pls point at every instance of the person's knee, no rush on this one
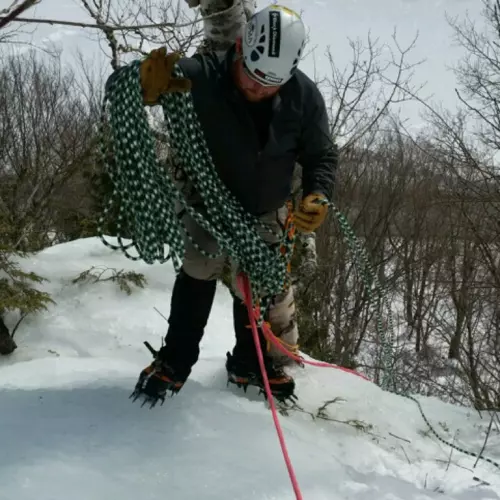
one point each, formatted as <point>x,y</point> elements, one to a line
<point>199,242</point>
<point>203,268</point>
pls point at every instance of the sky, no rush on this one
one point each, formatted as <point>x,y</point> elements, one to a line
<point>331,23</point>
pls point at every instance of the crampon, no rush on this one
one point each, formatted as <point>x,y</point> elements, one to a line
<point>155,382</point>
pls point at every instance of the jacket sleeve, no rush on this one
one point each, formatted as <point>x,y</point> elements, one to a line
<point>318,153</point>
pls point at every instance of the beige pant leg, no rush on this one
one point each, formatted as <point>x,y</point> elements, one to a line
<point>195,264</point>
<point>275,221</point>
<point>282,319</point>
<point>281,313</point>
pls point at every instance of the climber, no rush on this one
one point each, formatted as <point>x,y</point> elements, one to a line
<point>260,114</point>
<point>222,23</point>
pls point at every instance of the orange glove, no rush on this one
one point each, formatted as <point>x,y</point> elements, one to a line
<point>156,76</point>
<point>310,214</point>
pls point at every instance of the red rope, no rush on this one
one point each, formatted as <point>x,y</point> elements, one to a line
<point>253,314</point>
<point>269,335</point>
<point>244,284</point>
<point>321,364</point>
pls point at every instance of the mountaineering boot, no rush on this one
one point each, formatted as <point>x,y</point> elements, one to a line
<point>243,374</point>
<point>156,380</point>
<point>243,364</point>
<point>190,307</point>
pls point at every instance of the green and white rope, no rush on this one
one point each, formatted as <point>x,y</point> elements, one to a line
<point>374,287</point>
<point>377,297</point>
<point>145,195</point>
<point>439,438</point>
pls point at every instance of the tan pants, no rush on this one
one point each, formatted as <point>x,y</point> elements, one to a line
<point>281,315</point>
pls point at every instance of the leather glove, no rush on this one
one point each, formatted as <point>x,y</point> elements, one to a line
<point>311,213</point>
<point>156,76</point>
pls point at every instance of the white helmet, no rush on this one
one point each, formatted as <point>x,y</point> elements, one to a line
<point>272,44</point>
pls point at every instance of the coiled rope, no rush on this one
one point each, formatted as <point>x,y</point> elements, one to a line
<point>144,194</point>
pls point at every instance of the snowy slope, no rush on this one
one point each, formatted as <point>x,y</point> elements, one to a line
<point>68,429</point>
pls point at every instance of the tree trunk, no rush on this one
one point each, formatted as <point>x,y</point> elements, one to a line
<point>7,344</point>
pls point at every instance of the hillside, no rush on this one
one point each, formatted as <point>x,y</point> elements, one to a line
<point>69,430</point>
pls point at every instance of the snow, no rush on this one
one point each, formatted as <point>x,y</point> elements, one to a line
<point>69,429</point>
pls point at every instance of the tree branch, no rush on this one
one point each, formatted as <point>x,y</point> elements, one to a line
<point>4,20</point>
<point>100,26</point>
<point>485,440</point>
<point>107,27</point>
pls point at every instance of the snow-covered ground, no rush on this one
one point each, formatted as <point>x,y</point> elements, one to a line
<point>68,429</point>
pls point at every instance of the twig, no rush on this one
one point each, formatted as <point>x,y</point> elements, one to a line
<point>117,27</point>
<point>495,415</point>
<point>327,403</point>
<point>451,453</point>
<point>161,314</point>
<point>296,407</point>
<point>404,451</point>
<point>397,437</point>
<point>481,481</point>
<point>440,460</point>
<point>485,440</point>
<point>23,315</point>
<point>9,8</point>
<point>108,33</point>
<point>98,26</point>
<point>4,20</point>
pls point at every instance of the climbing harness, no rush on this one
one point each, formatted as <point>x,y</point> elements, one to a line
<point>144,197</point>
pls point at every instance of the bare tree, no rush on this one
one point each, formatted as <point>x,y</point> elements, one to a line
<point>48,136</point>
<point>335,319</point>
<point>131,27</point>
<point>360,100</point>
<point>9,14</point>
<point>361,95</point>
<point>15,10</point>
<point>156,23</point>
<point>477,71</point>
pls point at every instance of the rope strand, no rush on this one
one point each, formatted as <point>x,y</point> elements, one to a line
<point>246,289</point>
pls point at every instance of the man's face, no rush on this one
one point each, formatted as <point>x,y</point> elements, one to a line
<point>250,88</point>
